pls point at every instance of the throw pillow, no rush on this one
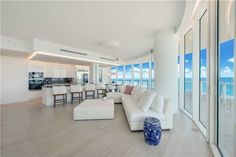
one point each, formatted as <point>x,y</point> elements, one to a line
<point>137,93</point>
<point>158,104</point>
<point>146,100</point>
<point>128,89</point>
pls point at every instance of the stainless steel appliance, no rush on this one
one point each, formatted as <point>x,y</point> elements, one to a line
<point>36,80</point>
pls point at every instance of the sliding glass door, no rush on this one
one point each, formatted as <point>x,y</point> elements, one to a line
<point>128,78</point>
<point>137,74</point>
<point>113,74</point>
<point>203,85</point>
<point>226,76</point>
<point>145,73</point>
<point>188,66</point>
<point>120,74</point>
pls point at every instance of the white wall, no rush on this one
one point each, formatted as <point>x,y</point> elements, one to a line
<point>166,78</point>
<point>106,76</point>
<point>14,77</point>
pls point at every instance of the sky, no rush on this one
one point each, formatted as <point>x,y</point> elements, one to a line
<point>226,61</point>
<point>227,58</point>
<point>188,65</point>
<point>203,64</point>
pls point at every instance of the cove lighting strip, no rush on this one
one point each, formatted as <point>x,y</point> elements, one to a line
<point>69,57</point>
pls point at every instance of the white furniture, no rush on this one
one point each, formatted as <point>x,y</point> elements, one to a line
<point>60,94</point>
<point>89,88</point>
<point>76,90</point>
<point>101,89</point>
<point>135,116</point>
<point>94,109</point>
<point>47,96</point>
<point>116,96</point>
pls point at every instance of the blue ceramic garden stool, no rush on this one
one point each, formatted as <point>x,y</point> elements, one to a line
<point>152,131</point>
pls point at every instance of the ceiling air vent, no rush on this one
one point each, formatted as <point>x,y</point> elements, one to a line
<point>108,59</point>
<point>79,53</point>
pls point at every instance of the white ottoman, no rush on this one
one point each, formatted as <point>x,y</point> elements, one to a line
<point>94,109</point>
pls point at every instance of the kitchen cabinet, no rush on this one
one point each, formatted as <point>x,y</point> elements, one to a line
<point>60,71</point>
<point>52,70</point>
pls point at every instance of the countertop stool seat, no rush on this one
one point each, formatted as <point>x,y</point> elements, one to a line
<point>90,91</point>
<point>59,91</point>
<point>101,90</point>
<point>76,93</point>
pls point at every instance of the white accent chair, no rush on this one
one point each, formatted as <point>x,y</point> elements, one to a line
<point>76,90</point>
<point>90,88</point>
<point>59,91</point>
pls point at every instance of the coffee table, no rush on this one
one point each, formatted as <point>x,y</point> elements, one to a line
<point>94,109</point>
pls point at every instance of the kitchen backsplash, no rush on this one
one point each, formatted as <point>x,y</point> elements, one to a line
<point>48,81</point>
<point>37,80</point>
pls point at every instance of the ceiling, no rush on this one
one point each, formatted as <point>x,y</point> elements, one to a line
<point>14,53</point>
<point>53,59</point>
<point>87,25</point>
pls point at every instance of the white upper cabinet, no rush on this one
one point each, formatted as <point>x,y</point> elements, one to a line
<point>52,70</point>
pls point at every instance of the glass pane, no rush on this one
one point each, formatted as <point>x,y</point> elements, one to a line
<point>113,74</point>
<point>226,23</point>
<point>100,71</point>
<point>136,80</point>
<point>153,77</point>
<point>128,78</point>
<point>145,80</point>
<point>188,77</point>
<point>120,74</point>
<point>178,62</point>
<point>203,71</point>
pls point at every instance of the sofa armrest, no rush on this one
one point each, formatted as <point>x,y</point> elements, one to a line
<point>114,95</point>
<point>168,111</point>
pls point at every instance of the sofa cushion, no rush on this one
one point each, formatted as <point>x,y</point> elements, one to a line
<point>158,104</point>
<point>146,100</point>
<point>134,114</point>
<point>137,92</point>
<point>128,89</point>
<point>113,95</point>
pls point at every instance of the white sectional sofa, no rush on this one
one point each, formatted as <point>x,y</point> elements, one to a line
<point>135,116</point>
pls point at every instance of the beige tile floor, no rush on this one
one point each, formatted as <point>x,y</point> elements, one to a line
<point>31,129</point>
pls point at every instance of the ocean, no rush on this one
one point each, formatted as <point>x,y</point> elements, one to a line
<point>226,85</point>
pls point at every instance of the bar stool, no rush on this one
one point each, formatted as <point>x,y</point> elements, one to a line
<point>89,88</point>
<point>76,90</point>
<point>101,89</point>
<point>58,91</point>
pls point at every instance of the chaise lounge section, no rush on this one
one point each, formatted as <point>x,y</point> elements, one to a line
<point>160,108</point>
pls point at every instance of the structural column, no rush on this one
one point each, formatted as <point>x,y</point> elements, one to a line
<point>166,66</point>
